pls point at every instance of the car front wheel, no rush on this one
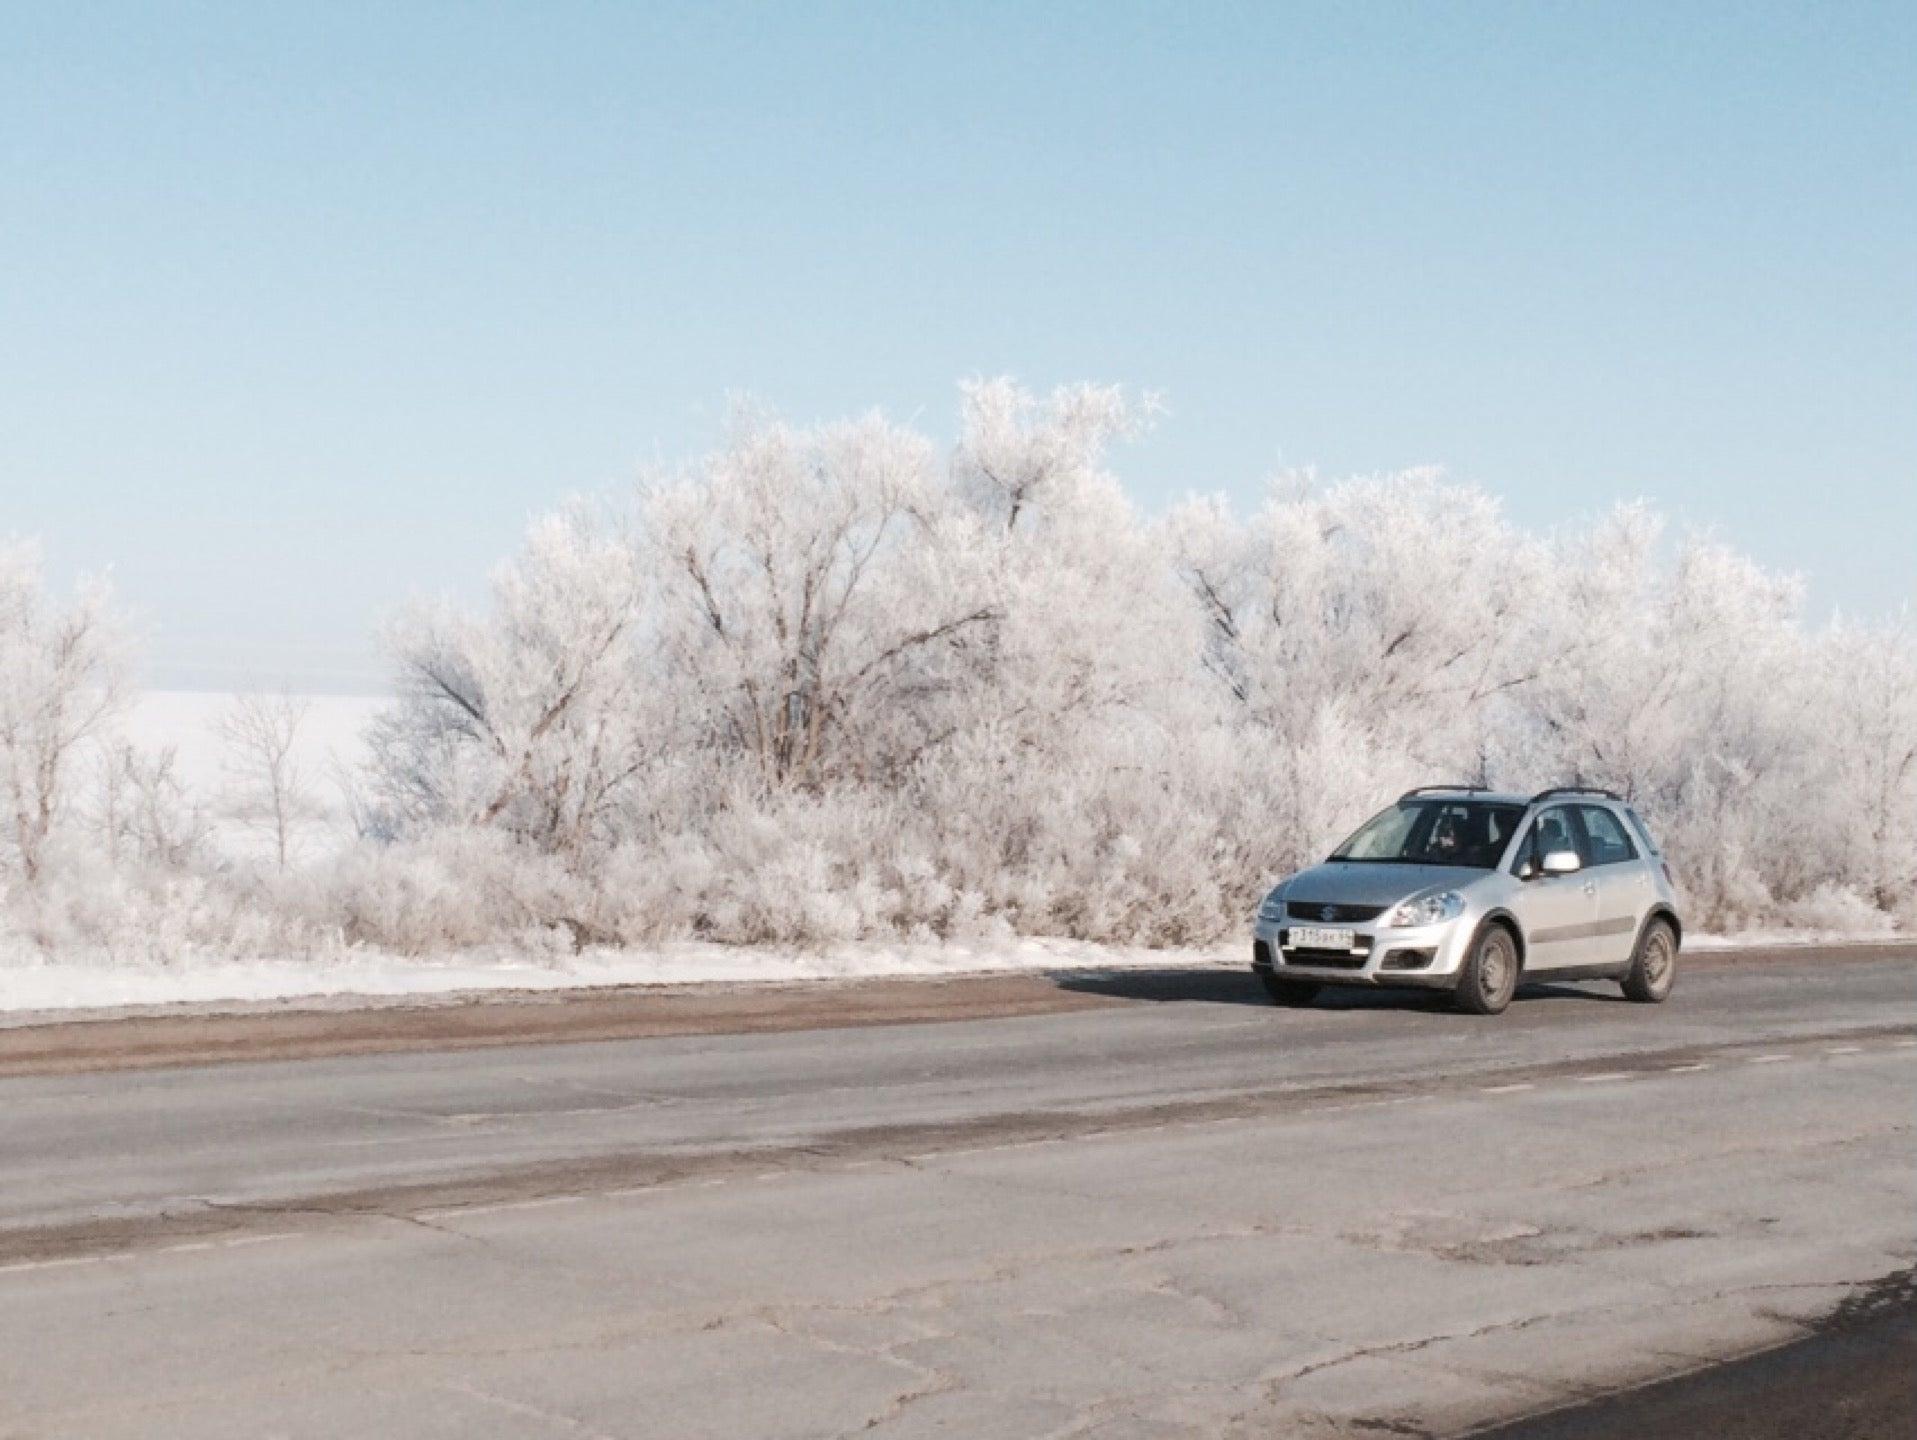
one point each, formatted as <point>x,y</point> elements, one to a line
<point>1490,975</point>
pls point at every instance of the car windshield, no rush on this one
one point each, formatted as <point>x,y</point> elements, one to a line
<point>1471,834</point>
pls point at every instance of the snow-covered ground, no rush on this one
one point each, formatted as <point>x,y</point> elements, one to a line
<point>33,987</point>
<point>57,986</point>
<point>1783,939</point>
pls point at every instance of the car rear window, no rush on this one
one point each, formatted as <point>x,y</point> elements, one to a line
<point>1644,832</point>
<point>1609,844</point>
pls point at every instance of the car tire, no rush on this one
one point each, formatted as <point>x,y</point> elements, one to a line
<point>1290,993</point>
<point>1653,964</point>
<point>1489,977</point>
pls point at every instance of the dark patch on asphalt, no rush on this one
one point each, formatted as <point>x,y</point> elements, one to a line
<point>1853,1377</point>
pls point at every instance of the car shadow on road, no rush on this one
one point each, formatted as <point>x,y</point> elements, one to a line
<point>1241,987</point>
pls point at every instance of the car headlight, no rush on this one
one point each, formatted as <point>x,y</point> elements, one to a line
<point>1432,909</point>
<point>1273,906</point>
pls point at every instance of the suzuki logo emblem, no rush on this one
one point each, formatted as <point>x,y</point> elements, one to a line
<point>1330,912</point>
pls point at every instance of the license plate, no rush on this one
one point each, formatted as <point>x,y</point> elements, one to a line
<point>1308,937</point>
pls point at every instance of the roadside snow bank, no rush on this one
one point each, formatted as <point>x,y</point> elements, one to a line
<point>1786,939</point>
<point>53,985</point>
<point>39,985</point>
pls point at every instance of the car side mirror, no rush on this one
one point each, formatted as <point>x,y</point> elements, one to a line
<point>1562,862</point>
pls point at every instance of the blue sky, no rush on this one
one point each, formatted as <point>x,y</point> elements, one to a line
<point>306,309</point>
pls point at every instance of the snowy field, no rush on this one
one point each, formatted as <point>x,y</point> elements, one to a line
<point>188,723</point>
<point>330,741</point>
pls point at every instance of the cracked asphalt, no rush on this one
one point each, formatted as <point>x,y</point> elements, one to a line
<point>1162,1209</point>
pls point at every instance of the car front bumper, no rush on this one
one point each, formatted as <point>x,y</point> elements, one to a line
<point>1427,957</point>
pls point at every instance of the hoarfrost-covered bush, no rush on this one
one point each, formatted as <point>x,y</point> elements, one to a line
<point>88,910</point>
<point>457,888</point>
<point>829,684</point>
<point>1839,909</point>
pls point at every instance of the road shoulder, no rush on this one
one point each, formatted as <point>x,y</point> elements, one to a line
<point>56,1043</point>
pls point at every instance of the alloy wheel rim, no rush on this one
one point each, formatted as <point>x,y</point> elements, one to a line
<point>1657,961</point>
<point>1494,966</point>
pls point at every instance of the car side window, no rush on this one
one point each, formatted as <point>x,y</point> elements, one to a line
<point>1608,841</point>
<point>1552,830</point>
<point>1643,831</point>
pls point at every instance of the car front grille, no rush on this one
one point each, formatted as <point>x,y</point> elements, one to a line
<point>1326,959</point>
<point>1313,911</point>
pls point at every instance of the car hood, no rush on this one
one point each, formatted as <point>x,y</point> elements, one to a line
<point>1346,882</point>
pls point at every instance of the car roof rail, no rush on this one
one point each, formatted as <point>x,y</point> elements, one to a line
<point>1445,790</point>
<point>1577,790</point>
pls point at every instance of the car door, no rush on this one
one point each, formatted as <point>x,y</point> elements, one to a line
<point>1624,891</point>
<point>1558,912</point>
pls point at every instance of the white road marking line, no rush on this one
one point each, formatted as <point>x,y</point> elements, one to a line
<point>1690,1069</point>
<point>75,1262</point>
<point>1508,1089</point>
<point>240,1240</point>
<point>1904,1044</point>
<point>1767,1059</point>
<point>496,1207</point>
<point>20,1267</point>
<point>665,1187</point>
<point>1844,1050</point>
<point>1604,1076</point>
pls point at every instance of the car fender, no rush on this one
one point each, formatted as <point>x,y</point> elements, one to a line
<point>1495,915</point>
<point>1660,911</point>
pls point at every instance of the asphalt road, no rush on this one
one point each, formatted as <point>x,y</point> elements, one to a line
<point>1169,1210</point>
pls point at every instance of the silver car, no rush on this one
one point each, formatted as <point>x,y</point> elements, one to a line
<point>1454,888</point>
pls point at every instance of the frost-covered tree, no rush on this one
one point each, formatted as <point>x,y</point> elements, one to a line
<point>1018,450</point>
<point>1680,684</point>
<point>535,715</point>
<point>143,812</point>
<point>821,600</point>
<point>1360,636</point>
<point>1063,805</point>
<point>1865,732</point>
<point>269,789</point>
<point>824,684</point>
<point>838,682</point>
<point>63,678</point>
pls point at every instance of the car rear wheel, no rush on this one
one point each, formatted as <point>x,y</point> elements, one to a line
<point>1654,966</point>
<point>1288,992</point>
<point>1490,975</point>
